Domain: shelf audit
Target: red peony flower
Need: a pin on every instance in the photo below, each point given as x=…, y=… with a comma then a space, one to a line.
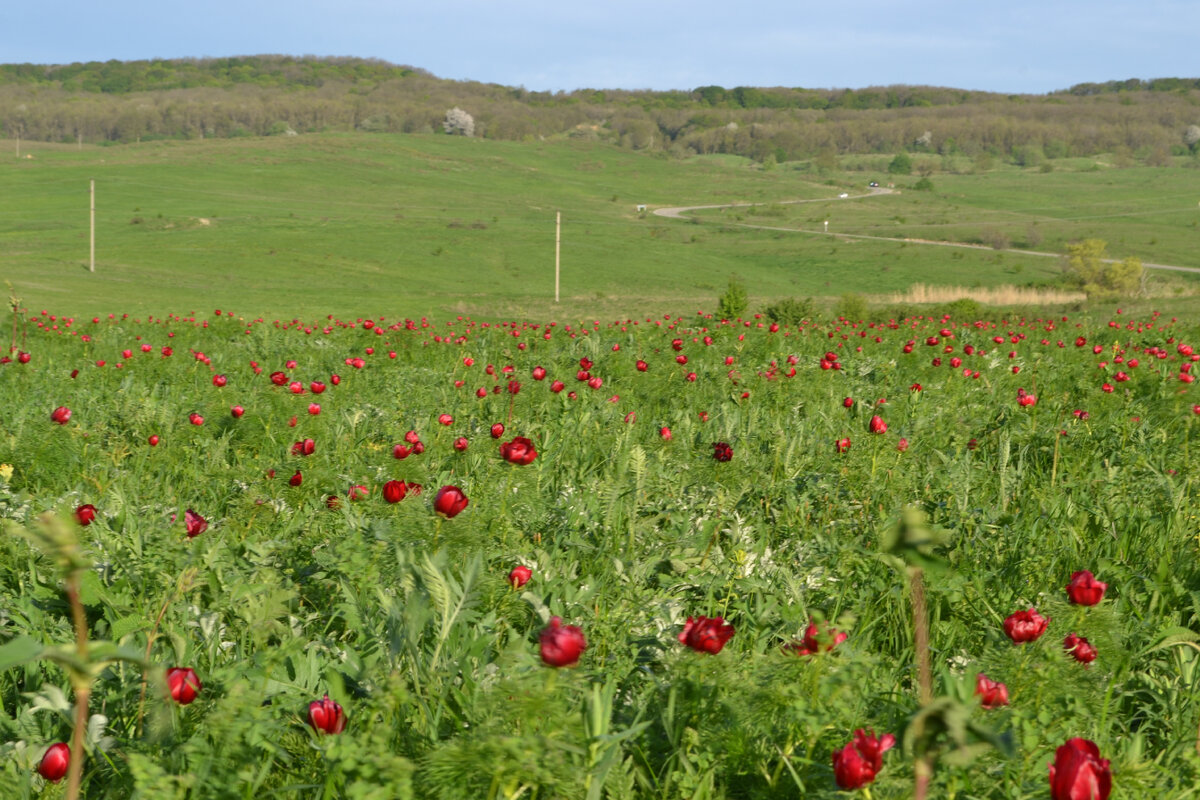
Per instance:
x=877, y=425
x=519, y=576
x=85, y=514
x=857, y=764
x=1078, y=772
x=61, y=415
x=450, y=501
x=1080, y=649
x=395, y=491
x=326, y=716
x=561, y=645
x=1025, y=626
x=304, y=448
x=816, y=641
x=184, y=685
x=518, y=451
x=722, y=451
x=990, y=693
x=55, y=762
x=706, y=635
x=194, y=523
x=1084, y=589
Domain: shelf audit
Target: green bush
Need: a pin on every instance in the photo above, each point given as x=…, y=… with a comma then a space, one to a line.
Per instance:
x=900, y=165
x=851, y=306
x=733, y=303
x=791, y=311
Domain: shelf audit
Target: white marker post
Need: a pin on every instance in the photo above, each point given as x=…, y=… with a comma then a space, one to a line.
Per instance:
x=92, y=238
x=827, y=226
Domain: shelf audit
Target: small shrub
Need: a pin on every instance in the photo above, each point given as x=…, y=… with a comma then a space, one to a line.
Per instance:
x=733, y=303
x=851, y=306
x=791, y=311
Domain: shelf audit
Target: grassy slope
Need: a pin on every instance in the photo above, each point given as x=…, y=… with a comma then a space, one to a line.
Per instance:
x=431, y=224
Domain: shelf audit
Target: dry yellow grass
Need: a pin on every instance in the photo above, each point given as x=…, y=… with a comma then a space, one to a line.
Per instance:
x=989, y=295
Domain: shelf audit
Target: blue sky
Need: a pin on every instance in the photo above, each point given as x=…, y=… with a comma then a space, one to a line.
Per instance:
x=1014, y=46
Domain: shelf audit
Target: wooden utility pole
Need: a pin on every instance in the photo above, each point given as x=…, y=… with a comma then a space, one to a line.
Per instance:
x=92, y=258
x=18, y=142
x=557, y=249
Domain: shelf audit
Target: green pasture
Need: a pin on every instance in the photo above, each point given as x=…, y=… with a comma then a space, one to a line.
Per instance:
x=407, y=224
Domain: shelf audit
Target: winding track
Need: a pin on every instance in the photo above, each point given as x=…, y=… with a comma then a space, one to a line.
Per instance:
x=679, y=212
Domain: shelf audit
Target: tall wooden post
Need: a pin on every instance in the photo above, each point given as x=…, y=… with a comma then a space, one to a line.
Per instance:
x=557, y=249
x=92, y=238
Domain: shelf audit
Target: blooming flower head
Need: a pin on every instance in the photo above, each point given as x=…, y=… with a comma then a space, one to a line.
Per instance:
x=1025, y=626
x=991, y=694
x=857, y=764
x=1084, y=589
x=1078, y=772
x=561, y=645
x=706, y=635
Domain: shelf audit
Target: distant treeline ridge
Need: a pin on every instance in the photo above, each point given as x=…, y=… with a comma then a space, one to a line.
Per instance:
x=125, y=101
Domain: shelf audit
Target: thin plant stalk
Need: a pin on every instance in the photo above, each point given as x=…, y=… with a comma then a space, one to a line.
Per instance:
x=82, y=684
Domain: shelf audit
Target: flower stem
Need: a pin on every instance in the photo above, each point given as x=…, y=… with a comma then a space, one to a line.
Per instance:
x=82, y=684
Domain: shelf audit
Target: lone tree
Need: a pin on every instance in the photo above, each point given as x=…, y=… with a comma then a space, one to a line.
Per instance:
x=1191, y=137
x=1099, y=277
x=459, y=122
x=901, y=165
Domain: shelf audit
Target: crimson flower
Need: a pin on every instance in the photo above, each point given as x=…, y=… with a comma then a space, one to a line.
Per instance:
x=991, y=694
x=518, y=451
x=857, y=764
x=722, y=451
x=237, y=411
x=296, y=479
x=1025, y=626
x=449, y=501
x=304, y=448
x=53, y=766
x=1080, y=649
x=497, y=430
x=326, y=716
x=877, y=425
x=1084, y=589
x=85, y=514
x=218, y=380
x=1078, y=772
x=194, y=523
x=358, y=492
x=706, y=635
x=445, y=419
x=278, y=378
x=153, y=440
x=557, y=386
x=61, y=415
x=461, y=444
x=184, y=685
x=395, y=491
x=816, y=641
x=902, y=445
x=519, y=576
x=642, y=366
x=842, y=445
x=561, y=645
x=539, y=373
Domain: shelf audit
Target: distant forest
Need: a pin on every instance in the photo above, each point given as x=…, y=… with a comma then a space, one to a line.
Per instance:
x=116, y=101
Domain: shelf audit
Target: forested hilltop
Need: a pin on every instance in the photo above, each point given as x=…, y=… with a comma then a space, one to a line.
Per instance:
x=116, y=101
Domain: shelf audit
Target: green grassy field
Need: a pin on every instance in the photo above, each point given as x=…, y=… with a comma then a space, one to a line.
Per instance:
x=438, y=225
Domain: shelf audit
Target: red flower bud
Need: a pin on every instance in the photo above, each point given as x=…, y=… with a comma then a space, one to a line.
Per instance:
x=706, y=635
x=184, y=685
x=53, y=766
x=326, y=716
x=449, y=501
x=1084, y=589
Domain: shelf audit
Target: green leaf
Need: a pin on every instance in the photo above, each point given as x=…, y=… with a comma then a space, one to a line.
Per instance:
x=1172, y=637
x=20, y=650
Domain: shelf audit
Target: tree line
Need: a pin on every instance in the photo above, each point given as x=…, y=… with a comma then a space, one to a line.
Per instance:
x=126, y=101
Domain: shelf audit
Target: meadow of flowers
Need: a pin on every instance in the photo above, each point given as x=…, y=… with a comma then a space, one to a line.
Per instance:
x=672, y=557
